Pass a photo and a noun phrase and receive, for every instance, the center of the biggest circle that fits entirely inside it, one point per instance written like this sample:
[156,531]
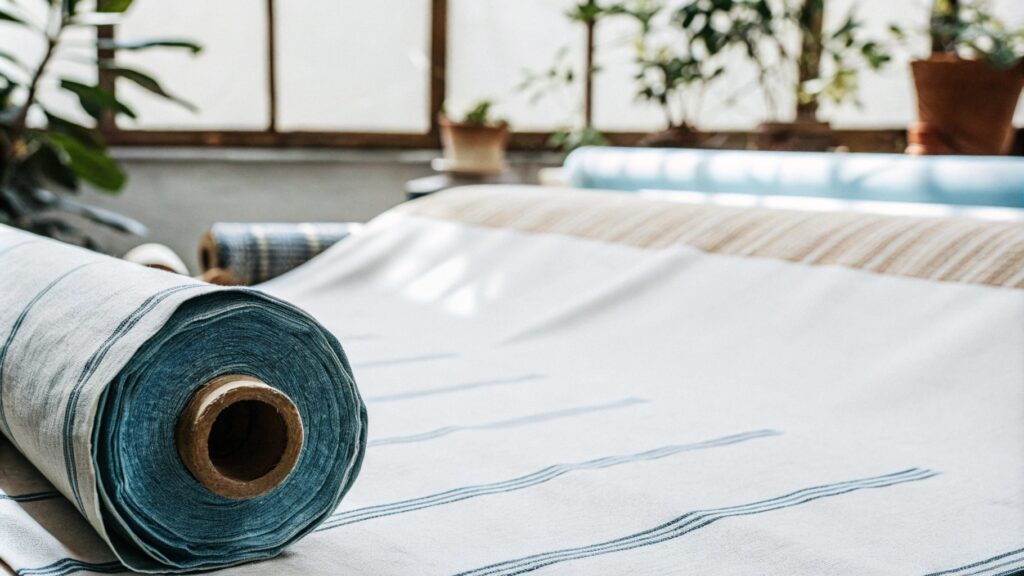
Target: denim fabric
[98,357]
[151,500]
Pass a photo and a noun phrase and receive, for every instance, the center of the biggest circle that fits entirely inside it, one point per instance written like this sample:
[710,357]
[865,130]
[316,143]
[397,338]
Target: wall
[179,193]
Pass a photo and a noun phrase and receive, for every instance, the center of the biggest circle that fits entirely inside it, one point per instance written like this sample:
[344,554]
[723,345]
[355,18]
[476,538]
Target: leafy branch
[44,157]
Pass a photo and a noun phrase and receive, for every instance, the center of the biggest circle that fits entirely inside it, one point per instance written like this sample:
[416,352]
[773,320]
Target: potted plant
[968,88]
[806,131]
[44,157]
[827,65]
[562,77]
[476,143]
[671,70]
[824,66]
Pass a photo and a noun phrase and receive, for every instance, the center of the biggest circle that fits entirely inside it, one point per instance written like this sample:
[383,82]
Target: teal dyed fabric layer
[100,357]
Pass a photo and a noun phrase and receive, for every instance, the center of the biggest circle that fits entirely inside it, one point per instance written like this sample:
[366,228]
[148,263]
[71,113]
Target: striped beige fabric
[944,249]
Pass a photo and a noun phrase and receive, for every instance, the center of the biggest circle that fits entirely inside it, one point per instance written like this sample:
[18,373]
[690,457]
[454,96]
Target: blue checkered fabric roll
[252,253]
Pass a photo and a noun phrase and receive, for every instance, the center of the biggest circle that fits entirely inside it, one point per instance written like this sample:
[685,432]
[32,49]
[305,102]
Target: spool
[156,256]
[209,255]
[239,437]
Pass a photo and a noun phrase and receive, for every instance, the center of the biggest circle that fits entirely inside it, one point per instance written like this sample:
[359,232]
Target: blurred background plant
[575,89]
[822,65]
[673,68]
[46,157]
[969,29]
[975,58]
[846,51]
[682,47]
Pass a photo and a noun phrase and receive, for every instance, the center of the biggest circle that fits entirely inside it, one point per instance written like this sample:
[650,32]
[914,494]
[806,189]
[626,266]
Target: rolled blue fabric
[99,360]
[254,253]
[956,180]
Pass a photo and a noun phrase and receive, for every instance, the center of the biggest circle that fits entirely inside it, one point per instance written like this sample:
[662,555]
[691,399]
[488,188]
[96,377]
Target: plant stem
[21,121]
[944,21]
[588,78]
[809,62]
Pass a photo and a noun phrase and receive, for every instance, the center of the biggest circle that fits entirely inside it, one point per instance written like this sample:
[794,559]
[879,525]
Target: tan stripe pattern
[943,249]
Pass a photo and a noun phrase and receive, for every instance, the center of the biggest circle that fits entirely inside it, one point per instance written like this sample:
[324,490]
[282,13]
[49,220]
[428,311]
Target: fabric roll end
[239,437]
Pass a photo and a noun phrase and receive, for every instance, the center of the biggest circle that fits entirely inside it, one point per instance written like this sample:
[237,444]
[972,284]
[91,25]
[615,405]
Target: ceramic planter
[964,106]
[473,148]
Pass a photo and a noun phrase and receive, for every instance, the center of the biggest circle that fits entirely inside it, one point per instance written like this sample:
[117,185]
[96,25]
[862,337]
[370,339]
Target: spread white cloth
[551,403]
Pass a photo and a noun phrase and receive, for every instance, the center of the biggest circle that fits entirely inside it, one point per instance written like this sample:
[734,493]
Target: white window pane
[227,81]
[491,45]
[730,102]
[353,66]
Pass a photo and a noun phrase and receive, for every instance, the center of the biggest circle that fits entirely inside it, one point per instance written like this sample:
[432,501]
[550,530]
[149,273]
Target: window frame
[272,137]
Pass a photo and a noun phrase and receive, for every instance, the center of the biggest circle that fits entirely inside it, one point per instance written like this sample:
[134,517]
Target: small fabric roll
[100,359]
[156,256]
[248,254]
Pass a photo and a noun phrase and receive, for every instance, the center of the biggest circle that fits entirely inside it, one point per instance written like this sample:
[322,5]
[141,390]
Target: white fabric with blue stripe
[544,403]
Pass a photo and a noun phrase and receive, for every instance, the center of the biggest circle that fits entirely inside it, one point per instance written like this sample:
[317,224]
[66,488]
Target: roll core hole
[239,437]
[247,440]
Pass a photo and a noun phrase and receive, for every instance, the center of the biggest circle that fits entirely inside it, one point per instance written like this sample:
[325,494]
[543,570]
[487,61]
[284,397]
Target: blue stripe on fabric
[986,565]
[70,566]
[404,360]
[14,332]
[510,423]
[539,477]
[453,388]
[13,246]
[93,364]
[33,497]
[695,520]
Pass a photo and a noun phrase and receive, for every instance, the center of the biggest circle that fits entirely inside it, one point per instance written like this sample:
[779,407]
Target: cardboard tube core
[208,252]
[239,437]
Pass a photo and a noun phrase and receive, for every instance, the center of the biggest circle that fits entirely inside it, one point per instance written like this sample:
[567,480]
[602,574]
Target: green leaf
[11,200]
[149,83]
[50,162]
[95,100]
[83,134]
[112,44]
[108,218]
[93,165]
[113,5]
[4,55]
[7,16]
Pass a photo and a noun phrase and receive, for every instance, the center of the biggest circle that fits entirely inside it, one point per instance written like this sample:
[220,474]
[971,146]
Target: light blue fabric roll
[99,359]
[957,180]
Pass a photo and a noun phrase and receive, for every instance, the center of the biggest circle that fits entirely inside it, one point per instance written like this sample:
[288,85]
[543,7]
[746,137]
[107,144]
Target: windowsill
[308,155]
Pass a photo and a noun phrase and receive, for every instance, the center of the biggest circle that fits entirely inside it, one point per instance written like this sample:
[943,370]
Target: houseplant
[476,143]
[672,68]
[823,65]
[975,58]
[45,158]
[827,66]
[563,78]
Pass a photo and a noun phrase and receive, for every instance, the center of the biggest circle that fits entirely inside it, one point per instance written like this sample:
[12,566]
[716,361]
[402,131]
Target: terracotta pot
[801,136]
[675,137]
[473,148]
[965,106]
